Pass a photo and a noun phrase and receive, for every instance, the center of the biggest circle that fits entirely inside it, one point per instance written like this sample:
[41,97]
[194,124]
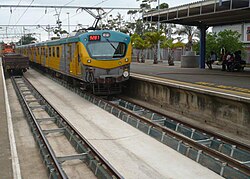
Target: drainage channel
[38,112]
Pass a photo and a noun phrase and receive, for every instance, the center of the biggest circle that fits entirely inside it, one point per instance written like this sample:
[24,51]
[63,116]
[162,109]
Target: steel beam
[65,7]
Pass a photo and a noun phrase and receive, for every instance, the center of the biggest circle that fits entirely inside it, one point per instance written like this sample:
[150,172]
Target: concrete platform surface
[131,152]
[234,81]
[5,152]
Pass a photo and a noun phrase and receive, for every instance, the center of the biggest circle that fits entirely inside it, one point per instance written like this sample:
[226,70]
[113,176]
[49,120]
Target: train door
[74,60]
[63,58]
[35,54]
[45,56]
[40,54]
[78,63]
[68,58]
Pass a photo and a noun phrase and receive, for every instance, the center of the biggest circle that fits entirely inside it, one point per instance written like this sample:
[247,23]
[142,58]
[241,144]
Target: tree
[211,44]
[163,6]
[169,43]
[146,5]
[27,39]
[190,32]
[59,32]
[141,45]
[153,38]
[228,39]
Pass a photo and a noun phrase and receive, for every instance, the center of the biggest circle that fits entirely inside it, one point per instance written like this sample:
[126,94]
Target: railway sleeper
[37,107]
[98,167]
[220,167]
[58,130]
[46,119]
[81,156]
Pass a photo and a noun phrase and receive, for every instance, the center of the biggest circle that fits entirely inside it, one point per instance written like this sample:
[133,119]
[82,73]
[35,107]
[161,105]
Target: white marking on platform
[14,155]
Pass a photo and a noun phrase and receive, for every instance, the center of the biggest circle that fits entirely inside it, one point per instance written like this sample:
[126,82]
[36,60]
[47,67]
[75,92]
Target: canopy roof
[207,12]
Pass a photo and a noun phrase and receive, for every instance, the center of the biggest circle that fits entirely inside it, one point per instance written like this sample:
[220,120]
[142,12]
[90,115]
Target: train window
[53,52]
[50,51]
[106,50]
[57,52]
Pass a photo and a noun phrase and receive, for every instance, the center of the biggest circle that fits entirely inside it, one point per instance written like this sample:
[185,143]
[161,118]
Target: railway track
[222,155]
[48,125]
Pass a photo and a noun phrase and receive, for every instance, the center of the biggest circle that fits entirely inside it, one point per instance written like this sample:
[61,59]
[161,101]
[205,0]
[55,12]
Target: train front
[106,58]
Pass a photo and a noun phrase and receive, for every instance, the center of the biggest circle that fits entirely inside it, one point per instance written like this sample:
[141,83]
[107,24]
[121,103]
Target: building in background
[243,29]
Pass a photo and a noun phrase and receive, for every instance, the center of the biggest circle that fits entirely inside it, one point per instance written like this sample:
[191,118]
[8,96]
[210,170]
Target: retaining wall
[229,114]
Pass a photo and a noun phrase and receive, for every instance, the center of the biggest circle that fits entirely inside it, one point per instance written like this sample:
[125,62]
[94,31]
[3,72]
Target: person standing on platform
[212,59]
[223,58]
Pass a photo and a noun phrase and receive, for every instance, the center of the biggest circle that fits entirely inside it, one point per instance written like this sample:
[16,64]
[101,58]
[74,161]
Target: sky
[24,16]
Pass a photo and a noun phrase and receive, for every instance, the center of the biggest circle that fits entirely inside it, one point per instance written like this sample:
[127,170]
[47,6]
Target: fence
[149,54]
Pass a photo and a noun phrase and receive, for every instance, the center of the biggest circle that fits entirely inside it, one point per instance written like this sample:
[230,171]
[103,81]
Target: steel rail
[52,157]
[239,145]
[188,141]
[222,157]
[112,171]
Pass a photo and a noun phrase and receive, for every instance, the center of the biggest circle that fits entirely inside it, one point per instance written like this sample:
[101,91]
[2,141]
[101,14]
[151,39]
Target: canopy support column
[203,29]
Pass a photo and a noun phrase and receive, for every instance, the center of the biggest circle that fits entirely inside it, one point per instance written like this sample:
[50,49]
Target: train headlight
[89,61]
[125,74]
[126,60]
[106,34]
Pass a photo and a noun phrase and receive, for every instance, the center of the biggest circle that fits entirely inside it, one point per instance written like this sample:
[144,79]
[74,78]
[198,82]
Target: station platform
[229,82]
[5,151]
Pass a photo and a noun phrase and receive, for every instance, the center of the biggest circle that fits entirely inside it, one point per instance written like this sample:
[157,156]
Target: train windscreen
[106,50]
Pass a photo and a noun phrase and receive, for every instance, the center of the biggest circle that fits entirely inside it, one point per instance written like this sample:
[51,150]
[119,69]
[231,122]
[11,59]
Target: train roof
[75,38]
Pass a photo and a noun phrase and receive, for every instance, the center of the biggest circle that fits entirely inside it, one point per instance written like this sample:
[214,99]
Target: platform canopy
[204,13]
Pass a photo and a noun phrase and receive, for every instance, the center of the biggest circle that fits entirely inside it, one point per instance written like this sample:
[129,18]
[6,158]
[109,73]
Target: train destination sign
[94,37]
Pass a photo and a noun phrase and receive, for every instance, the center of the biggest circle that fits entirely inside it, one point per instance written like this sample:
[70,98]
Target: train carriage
[13,63]
[101,59]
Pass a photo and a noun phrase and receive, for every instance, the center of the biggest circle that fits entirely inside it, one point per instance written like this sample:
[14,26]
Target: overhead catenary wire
[25,11]
[51,11]
[11,12]
[81,11]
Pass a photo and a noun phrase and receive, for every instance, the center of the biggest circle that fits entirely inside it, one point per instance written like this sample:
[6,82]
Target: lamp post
[158,28]
[68,23]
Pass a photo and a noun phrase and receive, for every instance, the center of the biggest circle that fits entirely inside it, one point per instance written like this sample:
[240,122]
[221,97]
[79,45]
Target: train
[98,60]
[13,63]
[7,48]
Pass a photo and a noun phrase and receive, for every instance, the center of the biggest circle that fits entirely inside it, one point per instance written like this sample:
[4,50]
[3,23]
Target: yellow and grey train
[101,59]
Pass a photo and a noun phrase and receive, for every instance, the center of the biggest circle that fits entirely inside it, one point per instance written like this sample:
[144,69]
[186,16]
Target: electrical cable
[24,12]
[81,11]
[52,11]
[12,12]
[17,5]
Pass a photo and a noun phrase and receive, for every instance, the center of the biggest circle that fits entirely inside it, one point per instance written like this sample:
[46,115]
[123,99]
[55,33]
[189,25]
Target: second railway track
[224,156]
[47,125]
